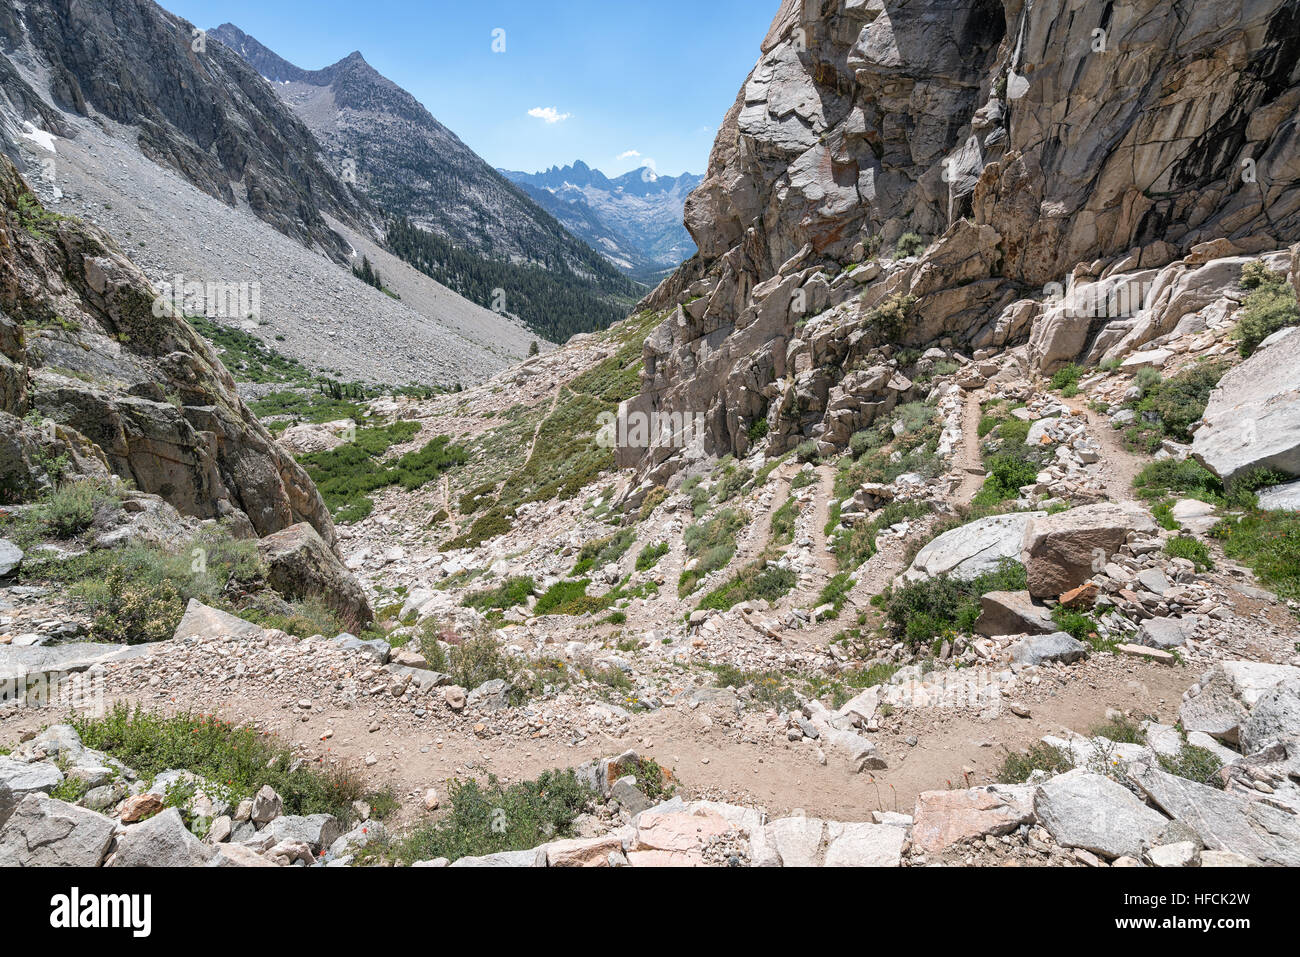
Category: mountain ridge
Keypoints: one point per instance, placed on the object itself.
(634, 219)
(415, 169)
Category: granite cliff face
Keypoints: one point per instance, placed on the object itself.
(95, 378)
(896, 172)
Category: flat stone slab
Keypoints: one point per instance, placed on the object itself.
(51, 659)
(11, 556)
(973, 549)
(1224, 822)
(945, 818)
(1089, 810)
(1281, 498)
(1040, 649)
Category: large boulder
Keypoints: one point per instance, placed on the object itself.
(1275, 717)
(1084, 809)
(1062, 551)
(301, 565)
(22, 779)
(43, 832)
(1252, 420)
(973, 549)
(200, 621)
(162, 841)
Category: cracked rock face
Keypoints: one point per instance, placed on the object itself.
(1022, 143)
(124, 390)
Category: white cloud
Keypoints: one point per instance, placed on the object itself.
(549, 114)
(630, 154)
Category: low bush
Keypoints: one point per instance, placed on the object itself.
(757, 581)
(650, 556)
(923, 611)
(1269, 542)
(1270, 307)
(1018, 766)
(604, 551)
(509, 594)
(495, 818)
(239, 759)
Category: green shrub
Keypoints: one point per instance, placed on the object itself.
(1195, 764)
(509, 594)
(806, 451)
(604, 551)
(495, 818)
(1269, 542)
(650, 556)
(1192, 550)
(1008, 472)
(1066, 380)
(923, 611)
(713, 543)
(757, 581)
(909, 244)
(348, 474)
(857, 545)
(73, 507)
(570, 598)
(1014, 432)
(239, 759)
(1079, 626)
(1179, 402)
(1270, 307)
(836, 593)
(1121, 729)
(1017, 767)
(479, 659)
(1186, 478)
(783, 522)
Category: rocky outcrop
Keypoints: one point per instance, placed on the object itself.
(993, 134)
(116, 383)
(300, 565)
(1253, 418)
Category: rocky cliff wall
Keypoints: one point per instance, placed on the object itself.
(96, 378)
(894, 172)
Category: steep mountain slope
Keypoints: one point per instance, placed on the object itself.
(193, 106)
(244, 201)
(634, 219)
(413, 167)
(1000, 136)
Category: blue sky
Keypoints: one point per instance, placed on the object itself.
(602, 78)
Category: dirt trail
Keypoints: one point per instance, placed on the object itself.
(1122, 466)
(748, 761)
(968, 461)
